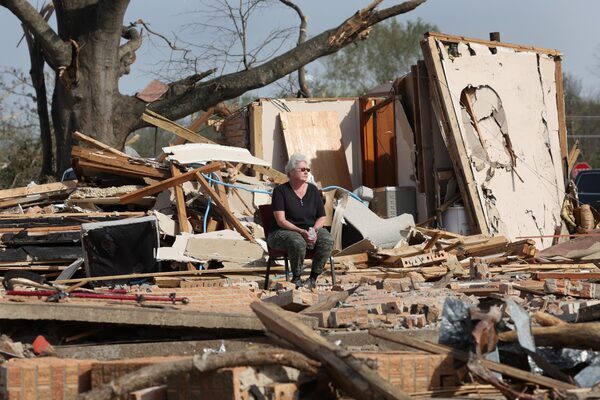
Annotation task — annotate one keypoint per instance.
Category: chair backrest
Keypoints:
(266, 217)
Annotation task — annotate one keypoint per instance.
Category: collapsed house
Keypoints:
(148, 278)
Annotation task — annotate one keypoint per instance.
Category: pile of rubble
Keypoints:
(147, 279)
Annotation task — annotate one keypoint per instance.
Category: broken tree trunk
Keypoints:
(577, 336)
(159, 373)
(347, 372)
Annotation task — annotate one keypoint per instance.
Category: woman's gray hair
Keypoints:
(293, 162)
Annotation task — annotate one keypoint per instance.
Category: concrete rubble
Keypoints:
(145, 278)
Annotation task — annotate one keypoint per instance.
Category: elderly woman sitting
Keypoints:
(298, 207)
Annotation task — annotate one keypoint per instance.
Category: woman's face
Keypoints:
(300, 173)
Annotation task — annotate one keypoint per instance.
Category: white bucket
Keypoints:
(455, 220)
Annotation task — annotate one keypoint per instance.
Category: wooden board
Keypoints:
(158, 120)
(49, 188)
(317, 135)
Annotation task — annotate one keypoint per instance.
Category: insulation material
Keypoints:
(381, 232)
(506, 108)
(192, 153)
(317, 135)
(224, 245)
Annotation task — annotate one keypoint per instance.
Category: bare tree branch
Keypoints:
(41, 98)
(232, 85)
(304, 90)
(127, 50)
(57, 52)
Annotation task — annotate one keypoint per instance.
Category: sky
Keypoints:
(568, 26)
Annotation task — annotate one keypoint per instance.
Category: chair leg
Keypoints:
(332, 270)
(287, 269)
(266, 286)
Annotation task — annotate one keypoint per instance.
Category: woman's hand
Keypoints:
(304, 234)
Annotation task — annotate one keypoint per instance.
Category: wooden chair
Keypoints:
(267, 218)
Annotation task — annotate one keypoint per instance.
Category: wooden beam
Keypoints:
(180, 202)
(567, 275)
(196, 272)
(120, 214)
(463, 356)
(347, 372)
(220, 190)
(426, 127)
(379, 106)
(38, 189)
(329, 303)
(97, 144)
(574, 154)
(455, 39)
(168, 183)
(560, 105)
(276, 176)
(98, 159)
(431, 242)
(194, 126)
(162, 122)
(42, 229)
(256, 134)
(577, 336)
(225, 213)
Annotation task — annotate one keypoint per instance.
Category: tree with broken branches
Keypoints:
(88, 58)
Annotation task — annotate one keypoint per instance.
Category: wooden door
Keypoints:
(378, 142)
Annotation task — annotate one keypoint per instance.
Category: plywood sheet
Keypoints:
(317, 135)
(508, 130)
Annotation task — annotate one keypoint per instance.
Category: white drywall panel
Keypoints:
(515, 97)
(405, 148)
(274, 149)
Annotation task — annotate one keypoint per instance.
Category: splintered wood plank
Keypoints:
(560, 104)
(220, 189)
(227, 215)
(180, 202)
(194, 127)
(110, 162)
(456, 39)
(276, 176)
(256, 135)
(96, 143)
(352, 376)
(162, 122)
(38, 189)
(167, 183)
(317, 135)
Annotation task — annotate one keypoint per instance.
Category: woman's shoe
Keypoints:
(310, 283)
(296, 280)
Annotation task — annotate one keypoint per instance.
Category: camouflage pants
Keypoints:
(295, 246)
